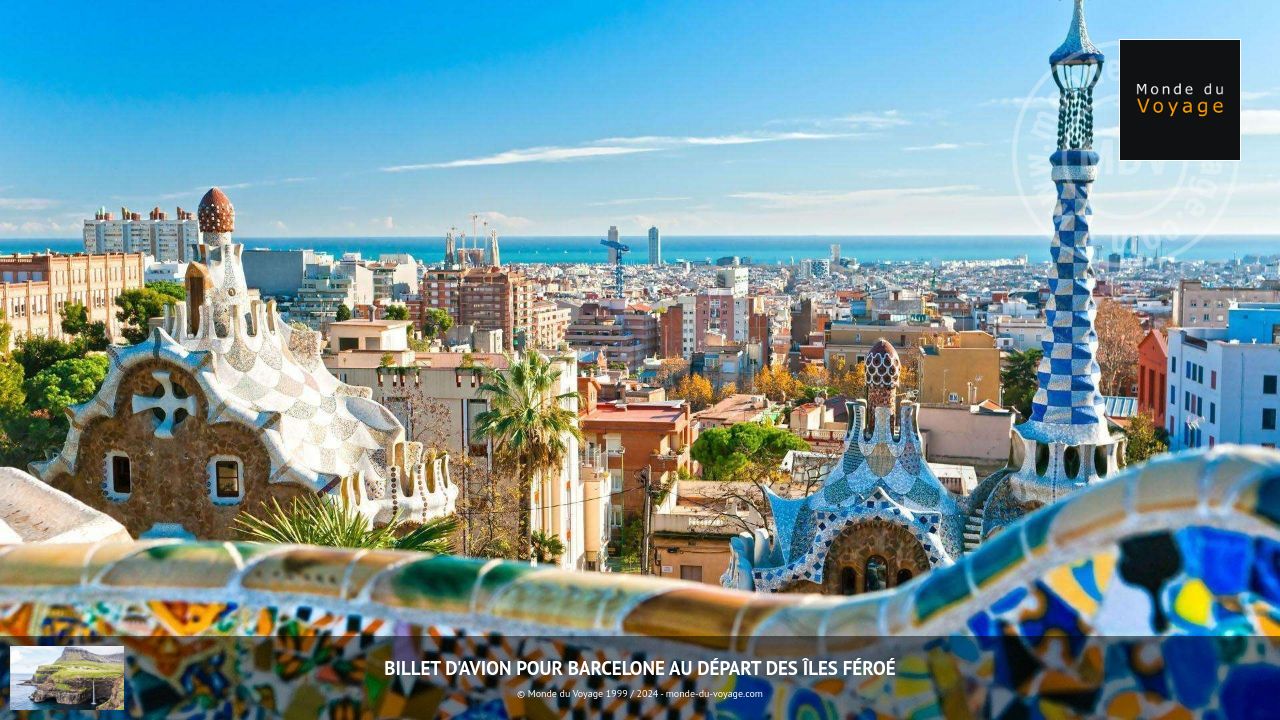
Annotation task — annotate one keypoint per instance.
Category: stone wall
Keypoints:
(170, 477)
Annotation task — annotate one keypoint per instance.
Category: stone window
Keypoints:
(119, 473)
(226, 480)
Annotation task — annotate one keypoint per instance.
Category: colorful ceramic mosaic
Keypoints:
(1155, 594)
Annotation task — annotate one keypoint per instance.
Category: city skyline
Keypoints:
(807, 120)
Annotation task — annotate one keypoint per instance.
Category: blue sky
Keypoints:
(866, 117)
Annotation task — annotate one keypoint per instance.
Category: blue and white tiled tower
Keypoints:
(1067, 441)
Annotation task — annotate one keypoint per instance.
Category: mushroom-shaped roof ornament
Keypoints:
(216, 213)
(883, 365)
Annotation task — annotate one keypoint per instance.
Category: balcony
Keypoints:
(668, 461)
(614, 457)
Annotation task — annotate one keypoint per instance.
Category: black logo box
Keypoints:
(1191, 66)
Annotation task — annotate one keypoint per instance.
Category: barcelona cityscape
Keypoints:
(668, 361)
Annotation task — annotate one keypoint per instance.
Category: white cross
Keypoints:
(168, 404)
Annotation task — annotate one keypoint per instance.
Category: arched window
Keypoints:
(904, 576)
(877, 575)
(848, 581)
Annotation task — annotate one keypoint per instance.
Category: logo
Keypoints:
(1180, 100)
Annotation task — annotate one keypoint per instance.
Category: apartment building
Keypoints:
(1195, 305)
(1153, 375)
(624, 334)
(1224, 383)
(549, 325)
(492, 298)
(34, 288)
(631, 437)
(162, 238)
(963, 368)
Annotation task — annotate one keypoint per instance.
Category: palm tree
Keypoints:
(313, 520)
(546, 547)
(529, 423)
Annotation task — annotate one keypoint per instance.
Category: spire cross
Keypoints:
(168, 403)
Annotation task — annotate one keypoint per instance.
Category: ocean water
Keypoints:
(759, 249)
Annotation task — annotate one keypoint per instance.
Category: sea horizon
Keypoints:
(758, 249)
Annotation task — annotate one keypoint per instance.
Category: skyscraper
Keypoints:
(613, 238)
(655, 246)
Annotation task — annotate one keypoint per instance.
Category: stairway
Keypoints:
(973, 529)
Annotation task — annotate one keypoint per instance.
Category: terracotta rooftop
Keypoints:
(667, 412)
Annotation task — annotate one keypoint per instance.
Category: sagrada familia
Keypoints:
(881, 516)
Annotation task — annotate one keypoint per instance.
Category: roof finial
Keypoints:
(1077, 49)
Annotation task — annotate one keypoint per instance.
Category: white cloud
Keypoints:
(386, 223)
(1254, 94)
(1260, 122)
(940, 146)
(1035, 101)
(279, 225)
(26, 203)
(1112, 131)
(504, 223)
(636, 201)
(526, 155)
(606, 147)
(790, 200)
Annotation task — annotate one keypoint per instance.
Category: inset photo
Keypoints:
(60, 678)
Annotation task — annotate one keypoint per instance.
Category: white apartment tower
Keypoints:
(166, 240)
(613, 238)
(655, 246)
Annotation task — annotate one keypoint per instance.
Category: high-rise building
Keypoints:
(613, 238)
(176, 240)
(734, 279)
(655, 246)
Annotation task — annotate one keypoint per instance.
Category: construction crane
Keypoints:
(618, 250)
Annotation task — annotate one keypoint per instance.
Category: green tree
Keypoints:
(66, 383)
(1144, 439)
(728, 453)
(396, 312)
(435, 322)
(1019, 380)
(175, 290)
(546, 547)
(75, 322)
(343, 313)
(528, 422)
(139, 305)
(316, 520)
(36, 353)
